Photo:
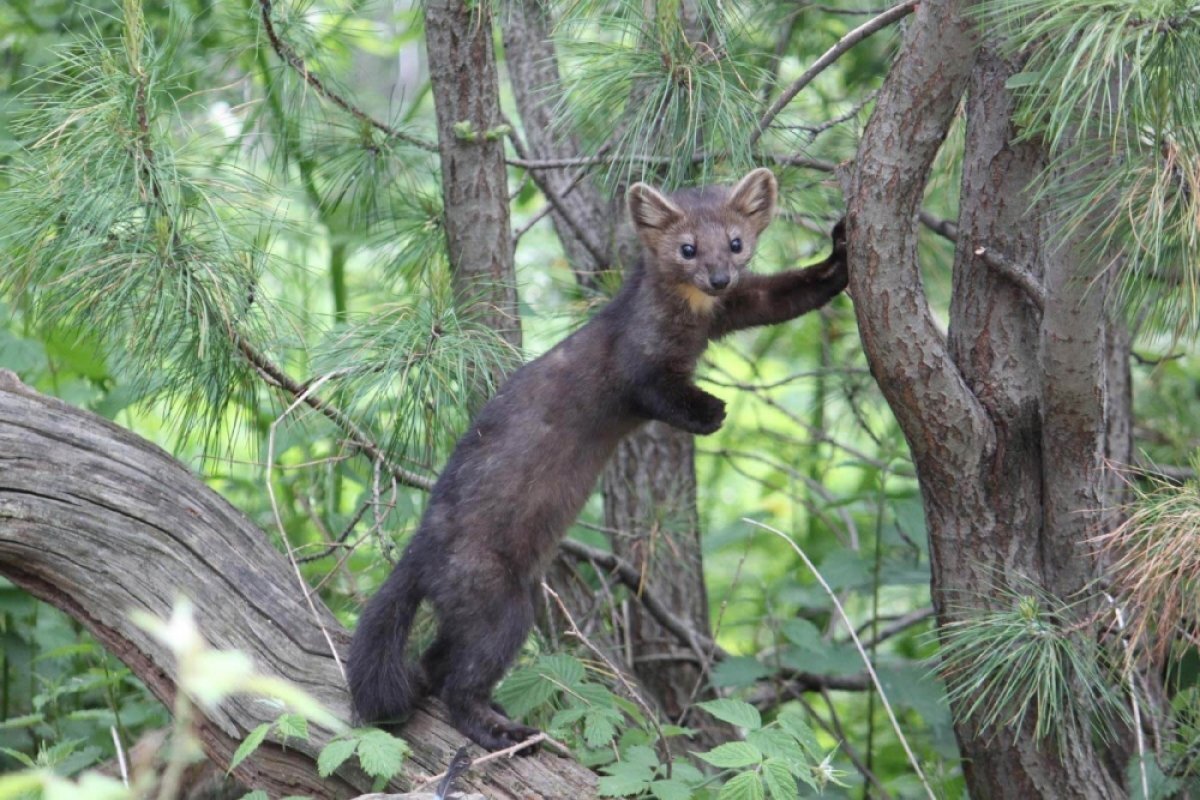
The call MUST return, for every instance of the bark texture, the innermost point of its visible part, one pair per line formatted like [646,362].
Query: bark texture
[466,95]
[1010,416]
[99,522]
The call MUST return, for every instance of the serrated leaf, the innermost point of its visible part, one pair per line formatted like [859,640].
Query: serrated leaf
[253,739]
[524,690]
[599,727]
[735,712]
[671,790]
[566,717]
[747,786]
[641,755]
[334,754]
[292,726]
[381,754]
[563,668]
[732,755]
[794,724]
[781,783]
[623,779]
[776,743]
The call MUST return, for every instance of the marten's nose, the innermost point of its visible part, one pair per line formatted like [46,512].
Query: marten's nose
[718,281]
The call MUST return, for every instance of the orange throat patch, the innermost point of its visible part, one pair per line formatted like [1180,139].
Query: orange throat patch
[699,302]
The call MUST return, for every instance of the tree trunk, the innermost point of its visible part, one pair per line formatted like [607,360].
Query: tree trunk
[98,522]
[462,69]
[1009,419]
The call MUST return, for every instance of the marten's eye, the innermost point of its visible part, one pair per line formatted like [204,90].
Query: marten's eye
[687,251]
[735,244]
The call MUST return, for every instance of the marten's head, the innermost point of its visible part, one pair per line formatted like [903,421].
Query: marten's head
[700,240]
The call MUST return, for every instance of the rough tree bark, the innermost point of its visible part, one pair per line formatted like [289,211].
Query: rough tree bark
[466,96]
[98,522]
[1010,417]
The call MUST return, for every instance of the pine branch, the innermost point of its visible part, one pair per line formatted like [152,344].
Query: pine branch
[831,55]
[293,60]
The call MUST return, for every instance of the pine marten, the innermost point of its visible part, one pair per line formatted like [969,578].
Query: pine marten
[519,476]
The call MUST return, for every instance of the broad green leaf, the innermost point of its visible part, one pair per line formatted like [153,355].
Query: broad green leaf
[641,755]
[257,794]
[732,755]
[795,724]
[623,779]
[735,712]
[563,668]
[777,743]
[671,790]
[524,690]
[381,754]
[781,783]
[292,726]
[253,739]
[334,754]
[747,786]
[599,726]
[738,672]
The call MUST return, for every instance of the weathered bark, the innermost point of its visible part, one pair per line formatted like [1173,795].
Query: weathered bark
[1009,419]
[583,218]
[466,96]
[99,522]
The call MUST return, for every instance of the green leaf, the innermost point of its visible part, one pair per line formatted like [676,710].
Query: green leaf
[334,754]
[795,724]
[747,786]
[381,754]
[739,672]
[599,726]
[777,743]
[732,755]
[563,668]
[257,794]
[671,790]
[524,690]
[735,712]
[781,783]
[641,755]
[292,726]
[623,779]
[253,739]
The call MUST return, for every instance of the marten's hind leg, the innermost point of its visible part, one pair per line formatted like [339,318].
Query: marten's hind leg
[477,641]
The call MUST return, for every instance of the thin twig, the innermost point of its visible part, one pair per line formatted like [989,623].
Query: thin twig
[634,694]
[1133,697]
[827,58]
[912,759]
[293,60]
[291,554]
[507,752]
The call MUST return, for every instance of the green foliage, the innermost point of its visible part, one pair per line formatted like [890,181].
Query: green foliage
[1035,663]
[1108,86]
[380,754]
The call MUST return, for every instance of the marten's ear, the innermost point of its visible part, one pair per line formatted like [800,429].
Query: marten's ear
[754,198]
[650,211]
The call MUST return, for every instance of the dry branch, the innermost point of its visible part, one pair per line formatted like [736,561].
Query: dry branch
[99,522]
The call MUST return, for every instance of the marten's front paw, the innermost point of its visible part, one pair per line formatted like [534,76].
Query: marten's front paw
[709,414]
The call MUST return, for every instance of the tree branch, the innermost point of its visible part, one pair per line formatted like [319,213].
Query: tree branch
[944,423]
[827,58]
[100,522]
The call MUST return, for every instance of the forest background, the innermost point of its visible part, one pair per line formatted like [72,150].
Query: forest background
[295,243]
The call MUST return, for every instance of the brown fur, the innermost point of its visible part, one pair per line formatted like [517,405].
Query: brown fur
[521,473]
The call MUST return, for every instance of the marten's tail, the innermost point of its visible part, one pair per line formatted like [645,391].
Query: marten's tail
[383,684]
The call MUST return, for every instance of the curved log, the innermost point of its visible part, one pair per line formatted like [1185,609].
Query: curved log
[99,522]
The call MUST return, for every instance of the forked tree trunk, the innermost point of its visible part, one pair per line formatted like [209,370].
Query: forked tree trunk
[1009,419]
[98,522]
